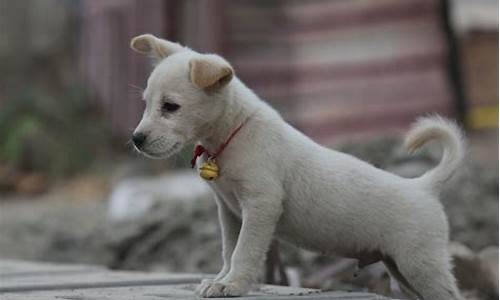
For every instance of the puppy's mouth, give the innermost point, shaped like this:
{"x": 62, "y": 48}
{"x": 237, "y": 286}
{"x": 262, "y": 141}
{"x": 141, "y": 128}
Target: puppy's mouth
{"x": 162, "y": 154}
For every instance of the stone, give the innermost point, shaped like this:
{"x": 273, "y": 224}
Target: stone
{"x": 488, "y": 258}
{"x": 133, "y": 198}
{"x": 476, "y": 273}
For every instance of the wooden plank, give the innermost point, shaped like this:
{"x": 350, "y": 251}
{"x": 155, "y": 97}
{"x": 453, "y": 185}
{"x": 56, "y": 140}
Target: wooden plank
{"x": 186, "y": 291}
{"x": 93, "y": 279}
{"x": 45, "y": 281}
{"x": 13, "y": 267}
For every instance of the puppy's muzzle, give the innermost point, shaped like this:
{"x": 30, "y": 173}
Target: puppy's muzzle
{"x": 138, "y": 139}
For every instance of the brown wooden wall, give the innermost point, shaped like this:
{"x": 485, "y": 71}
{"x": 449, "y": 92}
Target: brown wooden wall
{"x": 344, "y": 67}
{"x": 110, "y": 70}
{"x": 480, "y": 69}
{"x": 333, "y": 68}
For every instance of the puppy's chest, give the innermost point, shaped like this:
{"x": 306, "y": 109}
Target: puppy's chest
{"x": 229, "y": 184}
{"x": 227, "y": 192}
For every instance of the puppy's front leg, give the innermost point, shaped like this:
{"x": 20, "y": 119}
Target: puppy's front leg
{"x": 230, "y": 228}
{"x": 259, "y": 222}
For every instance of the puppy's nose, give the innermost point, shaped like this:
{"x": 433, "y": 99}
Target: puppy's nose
{"x": 138, "y": 139}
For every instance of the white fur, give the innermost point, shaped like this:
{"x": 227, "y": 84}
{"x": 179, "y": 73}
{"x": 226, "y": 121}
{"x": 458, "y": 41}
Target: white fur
{"x": 276, "y": 182}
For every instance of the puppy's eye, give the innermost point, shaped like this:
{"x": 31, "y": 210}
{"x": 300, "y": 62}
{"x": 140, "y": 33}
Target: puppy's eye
{"x": 169, "y": 107}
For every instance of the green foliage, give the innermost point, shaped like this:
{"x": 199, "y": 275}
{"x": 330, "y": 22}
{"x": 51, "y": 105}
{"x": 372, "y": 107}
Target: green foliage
{"x": 52, "y": 134}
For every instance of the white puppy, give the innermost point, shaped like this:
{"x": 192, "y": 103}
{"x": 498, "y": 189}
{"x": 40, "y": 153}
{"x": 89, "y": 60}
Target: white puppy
{"x": 275, "y": 181}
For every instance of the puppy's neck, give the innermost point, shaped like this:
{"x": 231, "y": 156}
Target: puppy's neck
{"x": 223, "y": 128}
{"x": 236, "y": 111}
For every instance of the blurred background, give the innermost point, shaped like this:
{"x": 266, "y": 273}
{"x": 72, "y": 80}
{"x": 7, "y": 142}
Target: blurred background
{"x": 352, "y": 74}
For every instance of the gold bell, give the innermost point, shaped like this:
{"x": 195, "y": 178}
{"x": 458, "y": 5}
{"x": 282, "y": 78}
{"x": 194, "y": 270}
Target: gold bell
{"x": 209, "y": 170}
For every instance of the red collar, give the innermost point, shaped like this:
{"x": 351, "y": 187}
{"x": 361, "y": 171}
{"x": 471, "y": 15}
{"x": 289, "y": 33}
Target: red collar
{"x": 199, "y": 149}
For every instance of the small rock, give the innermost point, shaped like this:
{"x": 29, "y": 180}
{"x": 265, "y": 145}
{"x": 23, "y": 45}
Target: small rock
{"x": 489, "y": 265}
{"x": 134, "y": 197}
{"x": 31, "y": 184}
{"x": 476, "y": 273}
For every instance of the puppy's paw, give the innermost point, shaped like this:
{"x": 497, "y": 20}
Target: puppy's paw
{"x": 203, "y": 286}
{"x": 225, "y": 289}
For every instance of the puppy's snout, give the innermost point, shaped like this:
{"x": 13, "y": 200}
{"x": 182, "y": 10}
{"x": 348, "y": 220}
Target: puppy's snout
{"x": 139, "y": 139}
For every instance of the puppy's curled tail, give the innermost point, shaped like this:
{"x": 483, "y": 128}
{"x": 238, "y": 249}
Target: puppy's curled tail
{"x": 451, "y": 138}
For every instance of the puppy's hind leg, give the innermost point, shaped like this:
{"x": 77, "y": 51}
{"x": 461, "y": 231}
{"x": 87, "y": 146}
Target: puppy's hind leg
{"x": 428, "y": 274}
{"x": 403, "y": 283}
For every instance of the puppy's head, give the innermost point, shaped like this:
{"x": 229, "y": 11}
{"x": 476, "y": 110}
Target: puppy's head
{"x": 184, "y": 96}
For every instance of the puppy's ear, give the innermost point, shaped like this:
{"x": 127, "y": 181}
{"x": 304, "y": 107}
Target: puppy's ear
{"x": 157, "y": 48}
{"x": 210, "y": 72}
